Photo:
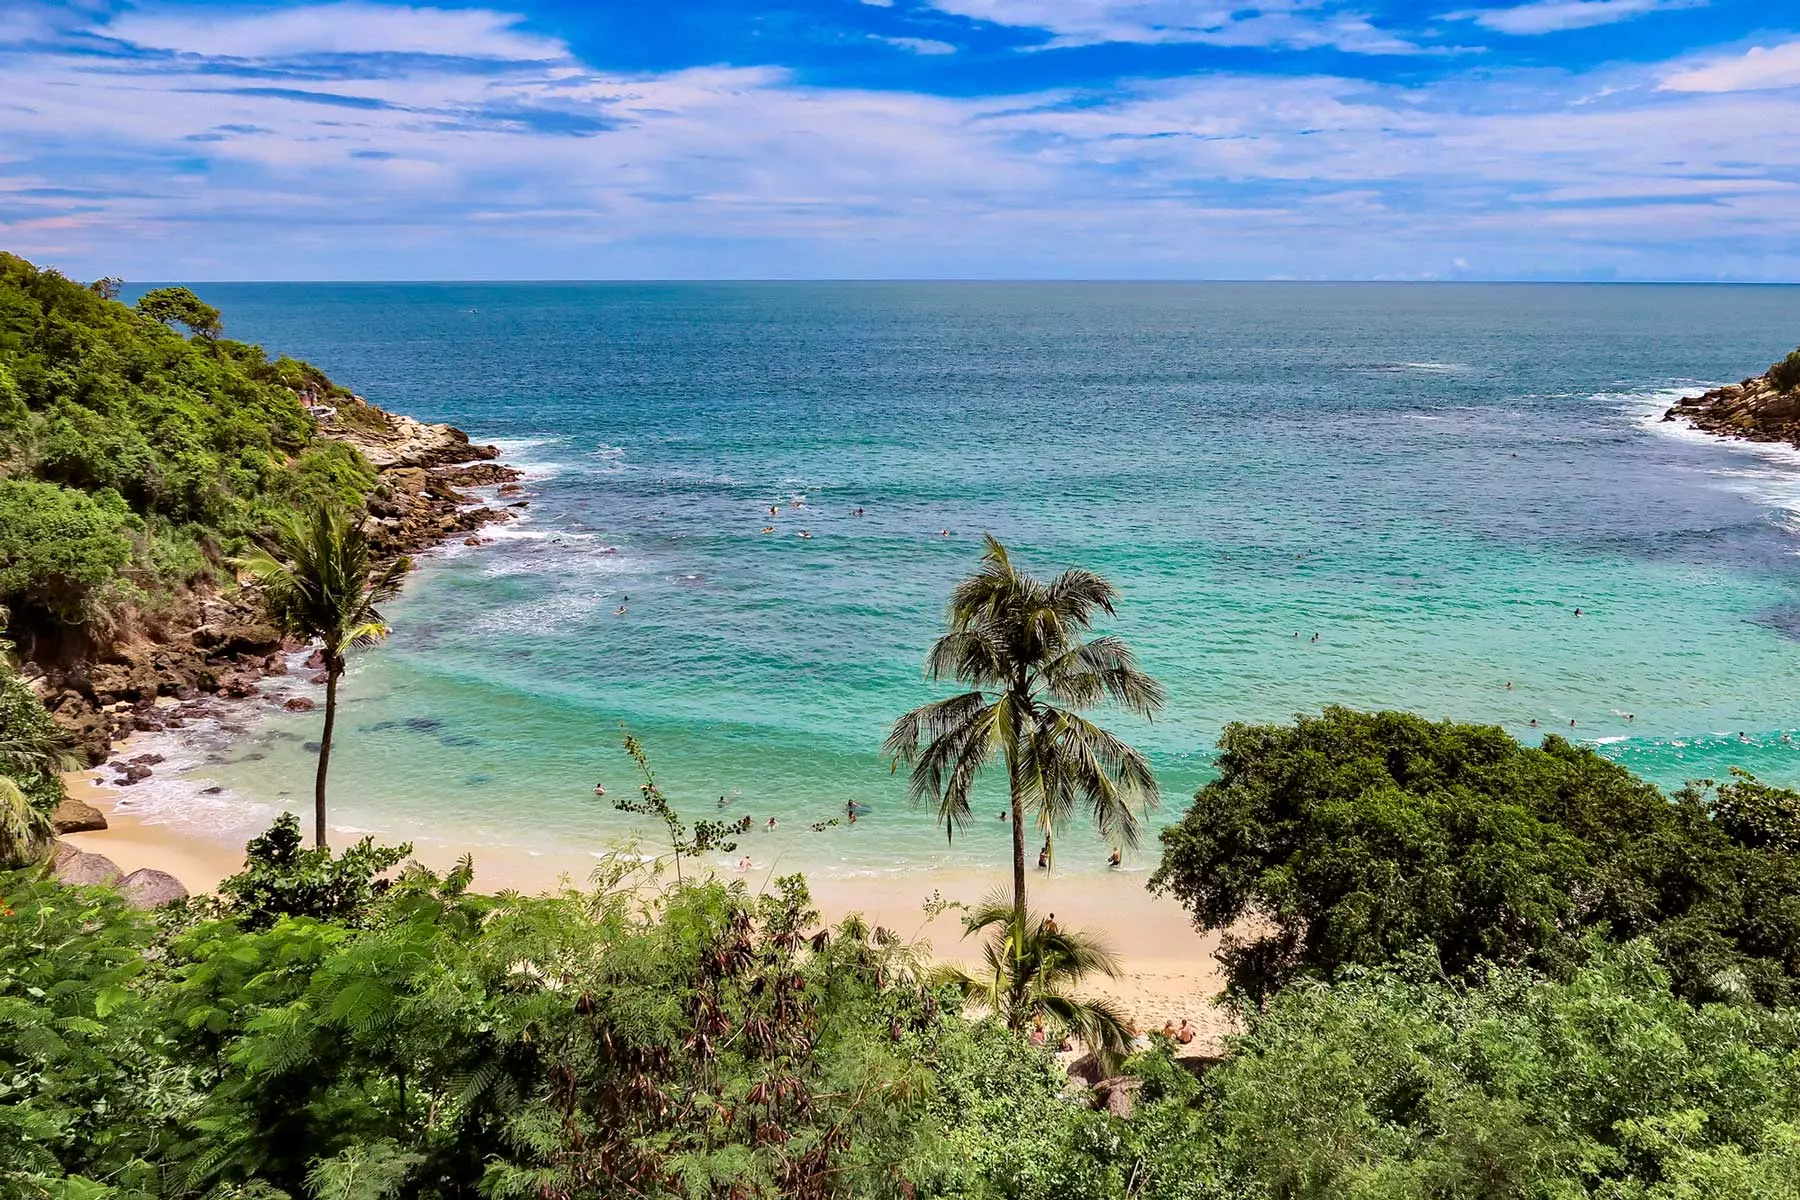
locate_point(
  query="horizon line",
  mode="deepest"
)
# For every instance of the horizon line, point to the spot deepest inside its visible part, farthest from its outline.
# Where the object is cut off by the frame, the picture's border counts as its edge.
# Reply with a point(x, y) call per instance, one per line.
point(978, 280)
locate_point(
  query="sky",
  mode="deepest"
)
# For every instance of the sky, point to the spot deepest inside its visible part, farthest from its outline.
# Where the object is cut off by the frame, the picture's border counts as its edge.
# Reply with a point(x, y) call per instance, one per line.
point(1019, 139)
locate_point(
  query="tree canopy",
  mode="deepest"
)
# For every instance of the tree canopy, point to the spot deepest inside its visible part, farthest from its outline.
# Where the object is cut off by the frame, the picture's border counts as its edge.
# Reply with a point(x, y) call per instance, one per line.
point(1349, 838)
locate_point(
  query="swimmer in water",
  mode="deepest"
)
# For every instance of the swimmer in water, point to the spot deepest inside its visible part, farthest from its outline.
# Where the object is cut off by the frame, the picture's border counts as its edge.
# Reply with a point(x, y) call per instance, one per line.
point(599, 789)
point(1532, 722)
point(723, 802)
point(1509, 685)
point(744, 863)
point(774, 510)
point(768, 529)
point(1116, 857)
point(805, 533)
point(619, 611)
point(771, 825)
point(856, 512)
point(1578, 612)
point(1315, 637)
point(1571, 722)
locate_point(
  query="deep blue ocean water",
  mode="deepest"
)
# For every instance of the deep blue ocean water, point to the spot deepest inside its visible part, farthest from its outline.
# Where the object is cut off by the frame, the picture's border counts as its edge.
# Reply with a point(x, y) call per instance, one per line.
point(1430, 478)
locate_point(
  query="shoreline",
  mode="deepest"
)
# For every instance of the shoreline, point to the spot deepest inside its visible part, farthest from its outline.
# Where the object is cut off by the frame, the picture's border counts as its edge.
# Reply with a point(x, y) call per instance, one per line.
point(1168, 969)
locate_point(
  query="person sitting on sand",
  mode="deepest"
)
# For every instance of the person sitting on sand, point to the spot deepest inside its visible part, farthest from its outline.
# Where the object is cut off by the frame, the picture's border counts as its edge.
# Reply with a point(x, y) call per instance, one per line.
point(1186, 1033)
point(1038, 1036)
point(1050, 925)
point(1168, 1030)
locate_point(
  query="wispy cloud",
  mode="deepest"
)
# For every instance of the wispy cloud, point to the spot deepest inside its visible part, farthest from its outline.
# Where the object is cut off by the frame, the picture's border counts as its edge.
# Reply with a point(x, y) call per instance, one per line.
point(347, 27)
point(259, 153)
point(1556, 16)
point(919, 45)
point(1298, 24)
point(1759, 68)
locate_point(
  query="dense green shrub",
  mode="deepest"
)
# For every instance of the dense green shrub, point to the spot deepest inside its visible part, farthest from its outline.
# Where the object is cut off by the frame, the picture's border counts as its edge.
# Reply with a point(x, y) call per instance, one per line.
point(1349, 837)
point(185, 442)
point(1785, 374)
point(59, 549)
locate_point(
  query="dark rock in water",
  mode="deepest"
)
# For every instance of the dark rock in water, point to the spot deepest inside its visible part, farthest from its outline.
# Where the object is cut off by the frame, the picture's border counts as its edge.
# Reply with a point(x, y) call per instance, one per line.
point(214, 790)
point(132, 774)
point(424, 724)
point(78, 868)
point(299, 704)
point(145, 760)
point(146, 889)
point(459, 740)
point(315, 661)
point(319, 679)
point(74, 815)
point(310, 748)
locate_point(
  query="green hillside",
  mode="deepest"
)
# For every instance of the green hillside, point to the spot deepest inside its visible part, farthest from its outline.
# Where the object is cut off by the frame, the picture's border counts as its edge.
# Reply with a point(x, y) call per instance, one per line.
point(138, 448)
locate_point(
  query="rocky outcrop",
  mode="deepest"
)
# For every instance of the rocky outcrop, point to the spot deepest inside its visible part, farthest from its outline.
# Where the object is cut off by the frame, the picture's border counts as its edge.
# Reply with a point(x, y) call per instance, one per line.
point(390, 440)
point(77, 816)
point(147, 888)
point(207, 643)
point(78, 868)
point(1760, 409)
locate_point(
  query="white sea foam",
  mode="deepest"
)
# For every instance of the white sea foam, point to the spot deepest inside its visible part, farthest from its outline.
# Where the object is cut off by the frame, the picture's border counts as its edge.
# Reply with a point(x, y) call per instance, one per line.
point(1775, 484)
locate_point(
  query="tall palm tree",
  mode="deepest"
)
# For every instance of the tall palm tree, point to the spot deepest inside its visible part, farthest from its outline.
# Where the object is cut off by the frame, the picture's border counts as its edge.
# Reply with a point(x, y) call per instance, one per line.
point(1017, 642)
point(325, 586)
point(1031, 969)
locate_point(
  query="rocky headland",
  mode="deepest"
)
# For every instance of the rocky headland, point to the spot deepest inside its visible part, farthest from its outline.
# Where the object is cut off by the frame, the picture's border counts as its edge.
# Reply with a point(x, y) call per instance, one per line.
point(1763, 408)
point(161, 673)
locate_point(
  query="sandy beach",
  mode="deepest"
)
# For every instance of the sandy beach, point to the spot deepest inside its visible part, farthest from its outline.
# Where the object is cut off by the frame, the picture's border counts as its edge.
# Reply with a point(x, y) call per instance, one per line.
point(1169, 971)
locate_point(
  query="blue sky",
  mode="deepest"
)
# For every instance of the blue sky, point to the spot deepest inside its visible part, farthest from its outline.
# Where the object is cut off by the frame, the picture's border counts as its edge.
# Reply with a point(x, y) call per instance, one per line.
point(1352, 139)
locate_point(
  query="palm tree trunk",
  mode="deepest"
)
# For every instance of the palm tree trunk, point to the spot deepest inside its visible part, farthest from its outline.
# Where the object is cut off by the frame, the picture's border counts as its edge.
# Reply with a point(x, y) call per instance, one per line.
point(333, 668)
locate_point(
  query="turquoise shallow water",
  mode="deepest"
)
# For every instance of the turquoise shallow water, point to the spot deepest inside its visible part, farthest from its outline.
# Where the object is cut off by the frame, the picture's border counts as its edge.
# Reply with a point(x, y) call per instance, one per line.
point(1429, 478)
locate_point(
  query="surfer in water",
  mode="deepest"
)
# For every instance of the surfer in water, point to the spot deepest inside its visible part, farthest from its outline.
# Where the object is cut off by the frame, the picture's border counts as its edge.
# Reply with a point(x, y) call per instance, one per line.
point(620, 611)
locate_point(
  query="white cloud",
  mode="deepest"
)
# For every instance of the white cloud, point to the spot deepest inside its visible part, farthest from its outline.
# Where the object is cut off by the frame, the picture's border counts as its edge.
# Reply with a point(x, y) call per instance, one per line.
point(1758, 68)
point(1296, 24)
point(437, 167)
point(348, 27)
point(919, 45)
point(1555, 16)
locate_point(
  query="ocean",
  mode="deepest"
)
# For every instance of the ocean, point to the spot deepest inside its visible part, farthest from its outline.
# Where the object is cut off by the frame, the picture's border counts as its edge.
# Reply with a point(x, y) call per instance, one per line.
point(1308, 494)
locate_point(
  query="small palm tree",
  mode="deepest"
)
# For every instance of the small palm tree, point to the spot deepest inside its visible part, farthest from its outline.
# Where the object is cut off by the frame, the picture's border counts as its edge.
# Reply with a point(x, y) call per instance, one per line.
point(1018, 643)
point(25, 830)
point(1032, 969)
point(325, 586)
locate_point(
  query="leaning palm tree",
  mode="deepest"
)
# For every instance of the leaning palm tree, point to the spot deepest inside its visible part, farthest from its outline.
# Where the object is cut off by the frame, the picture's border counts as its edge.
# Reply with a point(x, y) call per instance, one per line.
point(1017, 642)
point(25, 830)
point(325, 586)
point(28, 750)
point(1031, 969)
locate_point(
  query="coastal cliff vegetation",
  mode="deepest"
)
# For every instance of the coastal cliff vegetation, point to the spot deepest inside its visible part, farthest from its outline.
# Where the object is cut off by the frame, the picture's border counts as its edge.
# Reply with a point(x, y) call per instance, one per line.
point(134, 457)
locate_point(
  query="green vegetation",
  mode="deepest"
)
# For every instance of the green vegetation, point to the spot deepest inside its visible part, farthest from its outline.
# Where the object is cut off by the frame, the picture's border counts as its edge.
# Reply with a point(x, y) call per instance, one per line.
point(1031, 976)
point(1018, 643)
point(325, 587)
point(134, 459)
point(1353, 837)
point(34, 752)
point(1785, 375)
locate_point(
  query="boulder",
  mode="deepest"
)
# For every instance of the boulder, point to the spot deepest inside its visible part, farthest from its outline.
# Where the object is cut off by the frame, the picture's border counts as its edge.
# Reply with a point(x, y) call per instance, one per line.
point(299, 704)
point(78, 868)
point(75, 815)
point(146, 888)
